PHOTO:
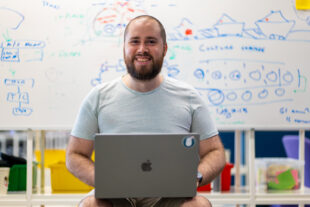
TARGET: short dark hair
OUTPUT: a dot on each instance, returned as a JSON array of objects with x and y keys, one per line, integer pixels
[{"x": 161, "y": 27}]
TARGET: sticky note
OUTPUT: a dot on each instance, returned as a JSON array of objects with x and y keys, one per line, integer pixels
[{"x": 302, "y": 4}]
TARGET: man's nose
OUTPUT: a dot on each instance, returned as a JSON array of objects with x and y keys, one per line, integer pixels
[{"x": 142, "y": 48}]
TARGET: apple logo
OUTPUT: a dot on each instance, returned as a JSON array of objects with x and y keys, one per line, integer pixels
[{"x": 146, "y": 166}]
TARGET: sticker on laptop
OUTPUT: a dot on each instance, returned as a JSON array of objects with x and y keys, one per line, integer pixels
[{"x": 188, "y": 142}]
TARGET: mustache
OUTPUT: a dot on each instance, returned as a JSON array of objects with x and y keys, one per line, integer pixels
[{"x": 145, "y": 54}]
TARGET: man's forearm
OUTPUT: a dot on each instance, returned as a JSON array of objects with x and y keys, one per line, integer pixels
[
  {"x": 211, "y": 165},
  {"x": 82, "y": 167}
]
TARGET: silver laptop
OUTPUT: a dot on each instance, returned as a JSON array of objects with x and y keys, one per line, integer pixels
[{"x": 146, "y": 165}]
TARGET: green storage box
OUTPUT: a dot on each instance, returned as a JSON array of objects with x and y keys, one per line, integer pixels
[{"x": 18, "y": 177}]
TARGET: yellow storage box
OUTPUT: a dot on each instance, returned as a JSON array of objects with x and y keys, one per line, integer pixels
[
  {"x": 63, "y": 181},
  {"x": 52, "y": 156}
]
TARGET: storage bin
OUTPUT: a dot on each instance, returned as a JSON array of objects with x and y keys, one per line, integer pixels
[
  {"x": 277, "y": 173},
  {"x": 62, "y": 181},
  {"x": 52, "y": 156},
  {"x": 225, "y": 180},
  {"x": 18, "y": 177},
  {"x": 226, "y": 177},
  {"x": 4, "y": 179}
]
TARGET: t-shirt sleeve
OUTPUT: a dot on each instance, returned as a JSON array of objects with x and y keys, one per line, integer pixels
[
  {"x": 202, "y": 122},
  {"x": 86, "y": 123}
]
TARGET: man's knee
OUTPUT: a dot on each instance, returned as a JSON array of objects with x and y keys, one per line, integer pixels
[{"x": 91, "y": 201}]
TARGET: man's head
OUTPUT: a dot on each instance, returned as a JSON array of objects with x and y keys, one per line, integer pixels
[{"x": 144, "y": 47}]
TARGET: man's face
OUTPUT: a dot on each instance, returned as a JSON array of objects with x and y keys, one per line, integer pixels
[{"x": 144, "y": 49}]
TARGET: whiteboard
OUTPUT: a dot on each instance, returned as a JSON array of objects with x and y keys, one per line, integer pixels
[{"x": 248, "y": 59}]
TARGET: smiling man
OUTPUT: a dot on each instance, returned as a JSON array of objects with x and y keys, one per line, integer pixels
[
  {"x": 144, "y": 101},
  {"x": 144, "y": 50}
]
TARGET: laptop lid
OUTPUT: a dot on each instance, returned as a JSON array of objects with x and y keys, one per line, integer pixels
[{"x": 146, "y": 165}]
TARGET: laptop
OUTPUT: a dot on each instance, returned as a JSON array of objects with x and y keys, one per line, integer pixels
[{"x": 146, "y": 165}]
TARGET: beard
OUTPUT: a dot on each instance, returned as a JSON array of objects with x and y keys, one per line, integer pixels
[{"x": 147, "y": 72}]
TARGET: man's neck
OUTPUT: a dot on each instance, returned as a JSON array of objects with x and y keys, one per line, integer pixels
[{"x": 142, "y": 86}]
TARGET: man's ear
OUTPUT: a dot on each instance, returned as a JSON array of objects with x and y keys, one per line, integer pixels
[{"x": 165, "y": 48}]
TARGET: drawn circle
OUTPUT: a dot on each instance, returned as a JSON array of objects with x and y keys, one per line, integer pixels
[
  {"x": 216, "y": 75},
  {"x": 231, "y": 96},
  {"x": 288, "y": 77},
  {"x": 215, "y": 96},
  {"x": 173, "y": 72},
  {"x": 188, "y": 142},
  {"x": 246, "y": 96},
  {"x": 109, "y": 29},
  {"x": 235, "y": 75},
  {"x": 199, "y": 74},
  {"x": 255, "y": 75},
  {"x": 263, "y": 94},
  {"x": 279, "y": 91},
  {"x": 272, "y": 76}
]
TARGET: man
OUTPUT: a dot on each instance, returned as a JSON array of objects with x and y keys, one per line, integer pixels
[{"x": 144, "y": 101}]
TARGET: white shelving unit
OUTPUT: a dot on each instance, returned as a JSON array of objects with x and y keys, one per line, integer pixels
[{"x": 237, "y": 195}]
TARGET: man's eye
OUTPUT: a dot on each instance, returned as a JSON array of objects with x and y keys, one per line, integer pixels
[
  {"x": 134, "y": 41},
  {"x": 151, "y": 41}
]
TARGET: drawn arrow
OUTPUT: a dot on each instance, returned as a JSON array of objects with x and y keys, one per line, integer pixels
[
  {"x": 12, "y": 71},
  {"x": 6, "y": 36}
]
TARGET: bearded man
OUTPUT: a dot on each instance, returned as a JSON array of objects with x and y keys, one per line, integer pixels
[{"x": 144, "y": 101}]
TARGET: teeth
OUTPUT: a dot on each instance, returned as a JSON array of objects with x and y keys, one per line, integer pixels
[{"x": 142, "y": 59}]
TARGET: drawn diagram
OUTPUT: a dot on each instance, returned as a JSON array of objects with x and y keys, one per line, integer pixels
[
  {"x": 17, "y": 50},
  {"x": 15, "y": 18},
  {"x": 249, "y": 83},
  {"x": 107, "y": 67},
  {"x": 23, "y": 50},
  {"x": 111, "y": 20},
  {"x": 273, "y": 26},
  {"x": 226, "y": 26},
  {"x": 186, "y": 30},
  {"x": 20, "y": 97},
  {"x": 172, "y": 70}
]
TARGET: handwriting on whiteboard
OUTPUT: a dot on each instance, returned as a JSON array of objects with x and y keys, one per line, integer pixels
[{"x": 19, "y": 97}]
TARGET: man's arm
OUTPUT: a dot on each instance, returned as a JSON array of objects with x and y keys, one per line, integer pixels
[
  {"x": 212, "y": 158},
  {"x": 78, "y": 159}
]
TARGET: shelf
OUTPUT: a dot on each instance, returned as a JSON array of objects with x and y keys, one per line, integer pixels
[
  {"x": 56, "y": 199},
  {"x": 270, "y": 197},
  {"x": 241, "y": 196},
  {"x": 12, "y": 199},
  {"x": 283, "y": 197},
  {"x": 227, "y": 198},
  {"x": 231, "y": 197},
  {"x": 40, "y": 199}
]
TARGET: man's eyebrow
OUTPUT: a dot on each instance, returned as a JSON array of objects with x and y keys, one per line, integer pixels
[
  {"x": 150, "y": 37},
  {"x": 134, "y": 38},
  {"x": 139, "y": 38}
]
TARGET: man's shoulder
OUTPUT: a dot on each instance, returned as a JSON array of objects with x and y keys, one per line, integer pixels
[
  {"x": 108, "y": 85},
  {"x": 179, "y": 84}
]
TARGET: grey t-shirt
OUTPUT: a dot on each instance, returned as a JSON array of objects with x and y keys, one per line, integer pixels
[{"x": 173, "y": 107}]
